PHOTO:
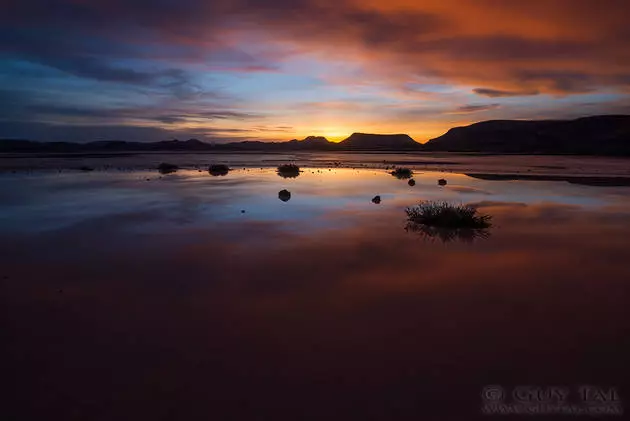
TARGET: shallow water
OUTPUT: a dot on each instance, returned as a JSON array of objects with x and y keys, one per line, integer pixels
[{"x": 130, "y": 295}]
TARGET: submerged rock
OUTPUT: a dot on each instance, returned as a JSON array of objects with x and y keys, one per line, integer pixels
[
  {"x": 284, "y": 195},
  {"x": 166, "y": 168}
]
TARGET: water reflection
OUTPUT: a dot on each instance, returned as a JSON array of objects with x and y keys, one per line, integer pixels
[
  {"x": 187, "y": 307},
  {"x": 248, "y": 320},
  {"x": 447, "y": 235}
]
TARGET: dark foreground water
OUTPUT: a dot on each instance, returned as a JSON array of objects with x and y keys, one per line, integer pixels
[{"x": 126, "y": 296}]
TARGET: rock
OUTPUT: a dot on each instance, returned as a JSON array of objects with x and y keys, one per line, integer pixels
[
  {"x": 166, "y": 168},
  {"x": 376, "y": 199},
  {"x": 442, "y": 182},
  {"x": 284, "y": 195},
  {"x": 411, "y": 182}
]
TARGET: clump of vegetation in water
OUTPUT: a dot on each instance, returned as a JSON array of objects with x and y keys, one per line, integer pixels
[
  {"x": 442, "y": 182},
  {"x": 402, "y": 173},
  {"x": 446, "y": 215},
  {"x": 288, "y": 171},
  {"x": 284, "y": 195},
  {"x": 166, "y": 168},
  {"x": 218, "y": 170},
  {"x": 376, "y": 199},
  {"x": 411, "y": 182}
]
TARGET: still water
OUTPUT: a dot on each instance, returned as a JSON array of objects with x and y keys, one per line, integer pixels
[{"x": 130, "y": 295}]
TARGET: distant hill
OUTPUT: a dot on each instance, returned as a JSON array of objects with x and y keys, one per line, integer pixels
[
  {"x": 598, "y": 135},
  {"x": 358, "y": 141},
  {"x": 366, "y": 141},
  {"x": 310, "y": 142}
]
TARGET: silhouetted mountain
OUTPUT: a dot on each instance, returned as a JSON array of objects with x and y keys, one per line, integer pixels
[
  {"x": 310, "y": 142},
  {"x": 598, "y": 135},
  {"x": 365, "y": 141}
]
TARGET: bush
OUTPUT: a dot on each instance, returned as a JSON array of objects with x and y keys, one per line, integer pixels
[
  {"x": 218, "y": 170},
  {"x": 165, "y": 168},
  {"x": 446, "y": 215},
  {"x": 402, "y": 173},
  {"x": 288, "y": 171}
]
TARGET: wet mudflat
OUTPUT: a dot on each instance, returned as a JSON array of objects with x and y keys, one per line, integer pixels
[{"x": 134, "y": 295}]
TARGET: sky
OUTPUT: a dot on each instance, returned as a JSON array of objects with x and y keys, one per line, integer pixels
[{"x": 273, "y": 70}]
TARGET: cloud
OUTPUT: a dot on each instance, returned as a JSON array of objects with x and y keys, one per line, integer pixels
[
  {"x": 85, "y": 133},
  {"x": 559, "y": 46},
  {"x": 497, "y": 93},
  {"x": 468, "y": 109},
  {"x": 177, "y": 55}
]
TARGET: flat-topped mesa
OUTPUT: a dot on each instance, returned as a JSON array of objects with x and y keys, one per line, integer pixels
[
  {"x": 310, "y": 142},
  {"x": 597, "y": 135},
  {"x": 379, "y": 141}
]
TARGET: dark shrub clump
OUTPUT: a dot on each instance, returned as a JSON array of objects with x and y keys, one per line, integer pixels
[
  {"x": 376, "y": 199},
  {"x": 165, "y": 168},
  {"x": 218, "y": 170},
  {"x": 411, "y": 182},
  {"x": 402, "y": 173},
  {"x": 288, "y": 170},
  {"x": 446, "y": 215}
]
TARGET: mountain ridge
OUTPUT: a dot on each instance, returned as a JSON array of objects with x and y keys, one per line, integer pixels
[{"x": 594, "y": 135}]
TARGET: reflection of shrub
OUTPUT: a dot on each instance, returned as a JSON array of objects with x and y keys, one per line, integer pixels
[
  {"x": 284, "y": 195},
  {"x": 446, "y": 215},
  {"x": 447, "y": 235},
  {"x": 166, "y": 168},
  {"x": 288, "y": 170},
  {"x": 218, "y": 169},
  {"x": 402, "y": 173}
]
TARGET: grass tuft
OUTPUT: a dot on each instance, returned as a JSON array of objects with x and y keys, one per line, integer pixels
[
  {"x": 446, "y": 215},
  {"x": 402, "y": 173},
  {"x": 288, "y": 171}
]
